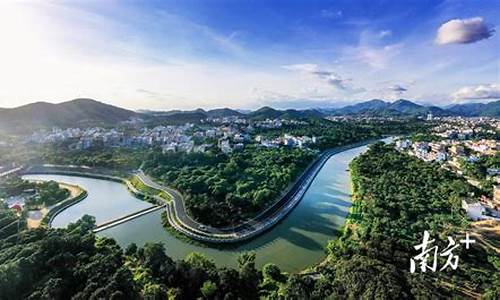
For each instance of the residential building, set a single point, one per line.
(403, 144)
(474, 209)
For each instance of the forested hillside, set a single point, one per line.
(74, 263)
(75, 113)
(222, 189)
(397, 197)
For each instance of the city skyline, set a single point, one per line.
(165, 55)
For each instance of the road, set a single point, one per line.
(181, 221)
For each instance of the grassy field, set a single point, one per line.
(149, 191)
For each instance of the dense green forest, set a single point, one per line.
(74, 263)
(397, 198)
(223, 189)
(112, 158)
(335, 133)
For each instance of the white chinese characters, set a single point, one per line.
(427, 259)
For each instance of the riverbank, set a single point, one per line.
(180, 220)
(35, 218)
(144, 188)
(303, 234)
(61, 206)
(129, 180)
(108, 199)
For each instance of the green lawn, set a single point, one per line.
(149, 191)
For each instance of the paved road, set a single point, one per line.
(180, 210)
(262, 222)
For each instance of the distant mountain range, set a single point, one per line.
(192, 116)
(404, 107)
(88, 112)
(491, 109)
(382, 108)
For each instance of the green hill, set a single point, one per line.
(267, 112)
(78, 112)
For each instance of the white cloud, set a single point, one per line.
(397, 88)
(307, 68)
(331, 14)
(463, 31)
(394, 91)
(331, 78)
(482, 91)
(384, 33)
(378, 58)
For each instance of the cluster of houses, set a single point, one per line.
(485, 208)
(286, 140)
(450, 153)
(18, 202)
(267, 123)
(424, 150)
(464, 128)
(227, 133)
(451, 150)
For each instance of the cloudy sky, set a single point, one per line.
(246, 54)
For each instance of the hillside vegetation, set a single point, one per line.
(397, 197)
(78, 112)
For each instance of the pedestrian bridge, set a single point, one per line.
(126, 218)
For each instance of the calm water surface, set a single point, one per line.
(106, 200)
(294, 244)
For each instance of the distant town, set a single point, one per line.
(454, 144)
(227, 133)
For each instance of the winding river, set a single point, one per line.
(106, 200)
(294, 244)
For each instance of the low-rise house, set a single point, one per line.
(441, 156)
(493, 171)
(496, 195)
(474, 209)
(457, 150)
(185, 147)
(421, 150)
(238, 146)
(403, 144)
(201, 148)
(172, 147)
(224, 146)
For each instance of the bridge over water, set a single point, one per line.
(126, 218)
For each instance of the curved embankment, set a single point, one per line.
(70, 202)
(178, 218)
(58, 208)
(61, 206)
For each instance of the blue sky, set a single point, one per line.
(246, 54)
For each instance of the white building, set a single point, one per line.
(403, 144)
(441, 156)
(225, 146)
(474, 209)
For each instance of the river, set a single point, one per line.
(294, 244)
(106, 200)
